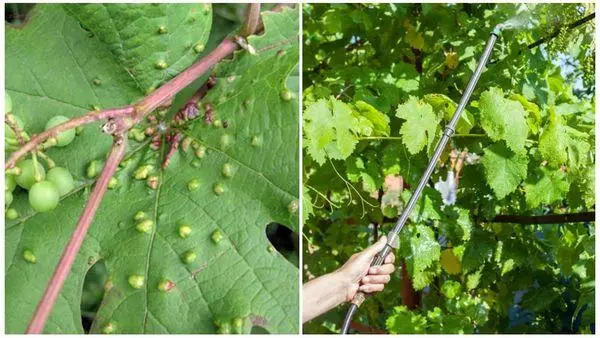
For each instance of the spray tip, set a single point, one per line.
(498, 29)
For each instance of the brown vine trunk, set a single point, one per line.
(410, 297)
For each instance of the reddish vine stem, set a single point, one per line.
(122, 119)
(252, 19)
(90, 117)
(138, 111)
(68, 257)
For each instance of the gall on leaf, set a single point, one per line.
(189, 257)
(184, 231)
(216, 236)
(136, 281)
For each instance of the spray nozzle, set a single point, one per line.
(498, 29)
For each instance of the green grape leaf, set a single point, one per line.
(307, 207)
(380, 121)
(330, 130)
(445, 107)
(141, 36)
(545, 186)
(425, 251)
(503, 119)
(403, 321)
(561, 144)
(420, 126)
(236, 273)
(534, 119)
(451, 288)
(504, 170)
(427, 206)
(367, 170)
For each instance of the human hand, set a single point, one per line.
(357, 274)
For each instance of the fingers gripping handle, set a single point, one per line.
(360, 296)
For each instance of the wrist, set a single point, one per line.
(344, 285)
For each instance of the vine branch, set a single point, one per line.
(554, 34)
(546, 219)
(70, 252)
(252, 18)
(120, 121)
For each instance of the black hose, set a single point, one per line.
(348, 319)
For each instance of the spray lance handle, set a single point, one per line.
(392, 243)
(360, 297)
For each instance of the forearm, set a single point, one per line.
(322, 294)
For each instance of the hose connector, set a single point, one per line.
(498, 29)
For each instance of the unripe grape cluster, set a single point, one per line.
(44, 187)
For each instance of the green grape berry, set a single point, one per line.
(136, 281)
(64, 138)
(62, 179)
(189, 257)
(12, 214)
(9, 183)
(27, 177)
(185, 231)
(44, 196)
(8, 106)
(8, 197)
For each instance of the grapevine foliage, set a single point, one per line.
(524, 146)
(184, 247)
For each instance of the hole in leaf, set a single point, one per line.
(259, 330)
(16, 14)
(284, 240)
(92, 293)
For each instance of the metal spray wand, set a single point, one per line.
(360, 297)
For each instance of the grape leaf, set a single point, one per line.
(404, 321)
(450, 263)
(239, 275)
(420, 126)
(561, 144)
(545, 186)
(425, 250)
(141, 36)
(445, 107)
(504, 170)
(329, 130)
(503, 119)
(380, 121)
(451, 288)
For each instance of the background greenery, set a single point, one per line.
(380, 82)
